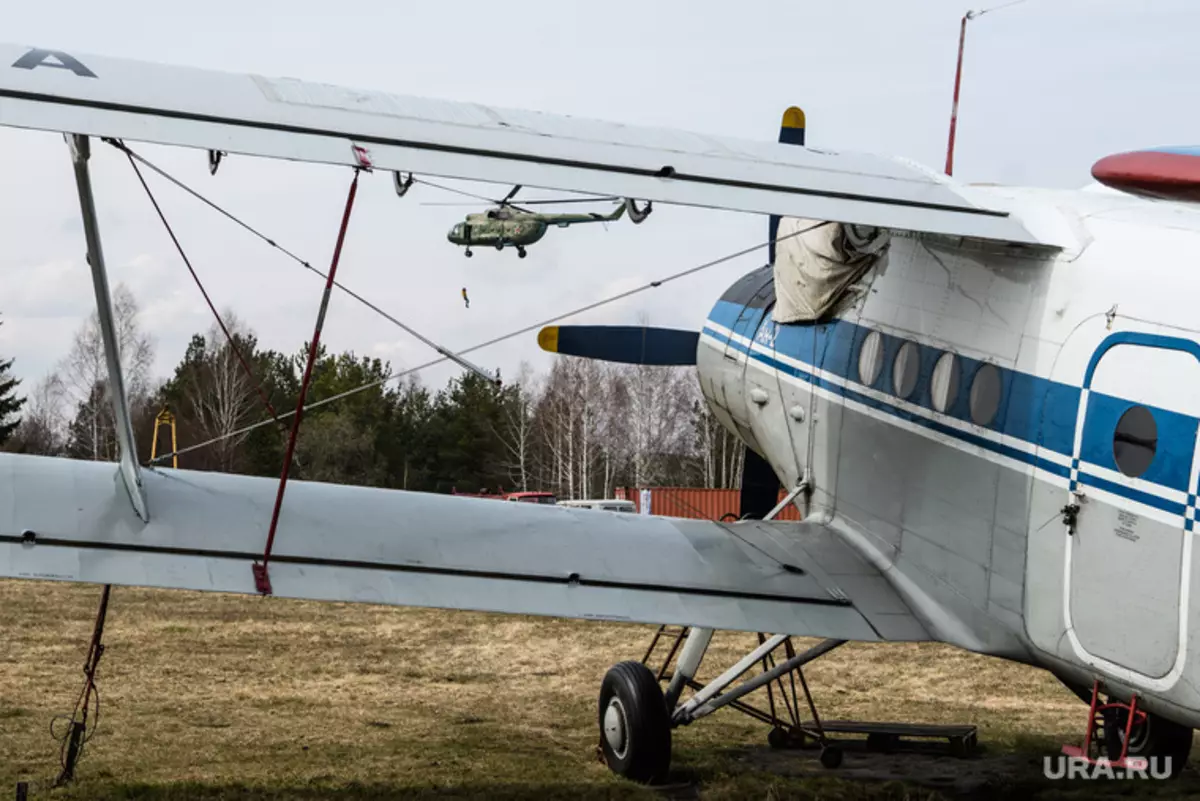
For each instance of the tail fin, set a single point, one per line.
(791, 132)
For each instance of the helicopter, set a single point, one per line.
(509, 224)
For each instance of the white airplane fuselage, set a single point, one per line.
(957, 478)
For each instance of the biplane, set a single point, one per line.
(984, 402)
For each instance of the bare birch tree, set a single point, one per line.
(43, 428)
(517, 433)
(84, 371)
(221, 397)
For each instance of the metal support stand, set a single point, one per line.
(165, 418)
(788, 728)
(130, 472)
(1096, 721)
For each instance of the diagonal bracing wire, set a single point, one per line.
(188, 263)
(496, 340)
(455, 357)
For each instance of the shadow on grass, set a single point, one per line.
(917, 772)
(190, 791)
(912, 771)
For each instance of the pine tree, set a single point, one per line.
(10, 404)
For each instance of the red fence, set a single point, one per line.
(699, 504)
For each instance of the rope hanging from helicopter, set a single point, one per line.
(498, 339)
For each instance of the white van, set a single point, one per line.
(608, 505)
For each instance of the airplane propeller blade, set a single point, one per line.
(628, 344)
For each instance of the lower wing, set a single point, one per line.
(71, 520)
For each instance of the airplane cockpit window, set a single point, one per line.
(870, 358)
(944, 388)
(1135, 441)
(906, 369)
(985, 394)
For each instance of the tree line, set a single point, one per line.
(580, 430)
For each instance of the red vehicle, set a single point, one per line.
(532, 497)
(520, 497)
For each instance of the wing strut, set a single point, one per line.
(130, 472)
(262, 580)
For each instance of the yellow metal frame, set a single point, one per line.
(164, 418)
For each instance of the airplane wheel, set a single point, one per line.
(469, 254)
(499, 246)
(779, 738)
(635, 729)
(831, 756)
(521, 252)
(1154, 738)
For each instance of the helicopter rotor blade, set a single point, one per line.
(456, 192)
(556, 201)
(510, 195)
(550, 201)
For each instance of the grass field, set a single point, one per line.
(227, 697)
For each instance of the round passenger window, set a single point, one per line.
(906, 369)
(944, 387)
(985, 394)
(870, 358)
(1135, 441)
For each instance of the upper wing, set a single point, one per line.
(291, 119)
(71, 520)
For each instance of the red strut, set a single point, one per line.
(262, 581)
(962, 35)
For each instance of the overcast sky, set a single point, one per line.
(1050, 86)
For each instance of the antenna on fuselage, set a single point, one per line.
(791, 132)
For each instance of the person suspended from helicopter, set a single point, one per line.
(466, 300)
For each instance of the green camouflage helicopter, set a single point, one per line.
(508, 224)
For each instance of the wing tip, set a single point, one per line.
(548, 339)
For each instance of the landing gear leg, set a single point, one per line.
(647, 757)
(521, 251)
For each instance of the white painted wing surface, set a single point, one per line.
(71, 520)
(291, 119)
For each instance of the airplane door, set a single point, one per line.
(1133, 481)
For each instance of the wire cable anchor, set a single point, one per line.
(214, 160)
(402, 185)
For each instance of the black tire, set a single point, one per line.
(1156, 737)
(831, 757)
(640, 749)
(778, 738)
(469, 254)
(521, 253)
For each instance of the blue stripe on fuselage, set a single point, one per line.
(1033, 409)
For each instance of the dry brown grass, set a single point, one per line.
(217, 696)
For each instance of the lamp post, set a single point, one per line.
(962, 37)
